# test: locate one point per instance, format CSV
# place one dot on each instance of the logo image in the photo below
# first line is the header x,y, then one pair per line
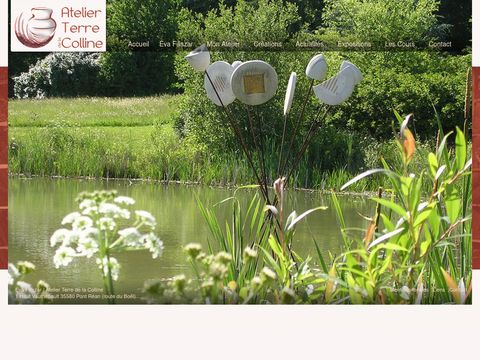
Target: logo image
x,y
38,30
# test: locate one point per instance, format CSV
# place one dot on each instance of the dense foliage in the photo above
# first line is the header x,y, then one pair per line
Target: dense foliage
x,y
377,20
406,81
127,70
60,74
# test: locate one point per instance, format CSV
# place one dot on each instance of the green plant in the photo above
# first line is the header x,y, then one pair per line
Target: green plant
x,y
426,241
100,229
20,291
247,229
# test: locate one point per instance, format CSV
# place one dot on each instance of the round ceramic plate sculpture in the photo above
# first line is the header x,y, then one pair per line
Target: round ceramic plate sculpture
x,y
317,68
356,70
220,73
337,89
254,82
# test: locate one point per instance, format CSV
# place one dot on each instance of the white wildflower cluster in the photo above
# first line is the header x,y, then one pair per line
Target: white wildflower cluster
x,y
101,227
20,291
13,274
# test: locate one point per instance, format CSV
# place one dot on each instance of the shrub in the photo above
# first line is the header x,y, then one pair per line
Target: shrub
x,y
407,82
59,74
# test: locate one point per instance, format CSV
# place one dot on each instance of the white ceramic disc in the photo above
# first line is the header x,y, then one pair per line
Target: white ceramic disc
x,y
356,70
337,89
254,82
317,68
220,73
290,93
199,58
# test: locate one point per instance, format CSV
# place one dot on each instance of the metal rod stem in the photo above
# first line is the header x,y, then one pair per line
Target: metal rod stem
x,y
283,167
240,137
262,152
252,130
313,129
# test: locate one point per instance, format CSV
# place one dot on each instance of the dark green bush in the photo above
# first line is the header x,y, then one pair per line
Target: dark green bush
x,y
127,70
409,82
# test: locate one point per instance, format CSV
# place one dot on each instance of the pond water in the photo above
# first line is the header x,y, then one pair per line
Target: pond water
x,y
37,207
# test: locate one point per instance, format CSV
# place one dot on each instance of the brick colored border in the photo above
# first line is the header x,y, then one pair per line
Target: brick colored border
x,y
3,168
476,169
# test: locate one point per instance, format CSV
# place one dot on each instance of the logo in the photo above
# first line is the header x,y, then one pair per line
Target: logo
x,y
35,30
58,25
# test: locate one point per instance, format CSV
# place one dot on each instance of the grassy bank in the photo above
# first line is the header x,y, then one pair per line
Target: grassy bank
x,y
135,138
82,112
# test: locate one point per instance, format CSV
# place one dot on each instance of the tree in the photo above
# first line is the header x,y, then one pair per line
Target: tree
x,y
379,20
458,14
145,71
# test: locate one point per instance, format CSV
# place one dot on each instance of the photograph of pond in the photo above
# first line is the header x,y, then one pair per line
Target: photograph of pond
x,y
247,152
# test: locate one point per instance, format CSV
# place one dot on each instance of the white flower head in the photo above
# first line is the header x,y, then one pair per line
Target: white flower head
x,y
193,249
268,273
87,203
113,211
90,211
61,236
146,218
25,267
82,222
70,218
13,274
87,244
249,253
74,238
63,256
124,200
131,236
153,244
106,224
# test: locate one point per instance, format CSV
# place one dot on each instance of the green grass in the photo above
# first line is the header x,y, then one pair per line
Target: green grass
x,y
135,138
90,111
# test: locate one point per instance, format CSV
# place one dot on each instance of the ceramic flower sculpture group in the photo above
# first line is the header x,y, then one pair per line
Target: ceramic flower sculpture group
x,y
255,82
